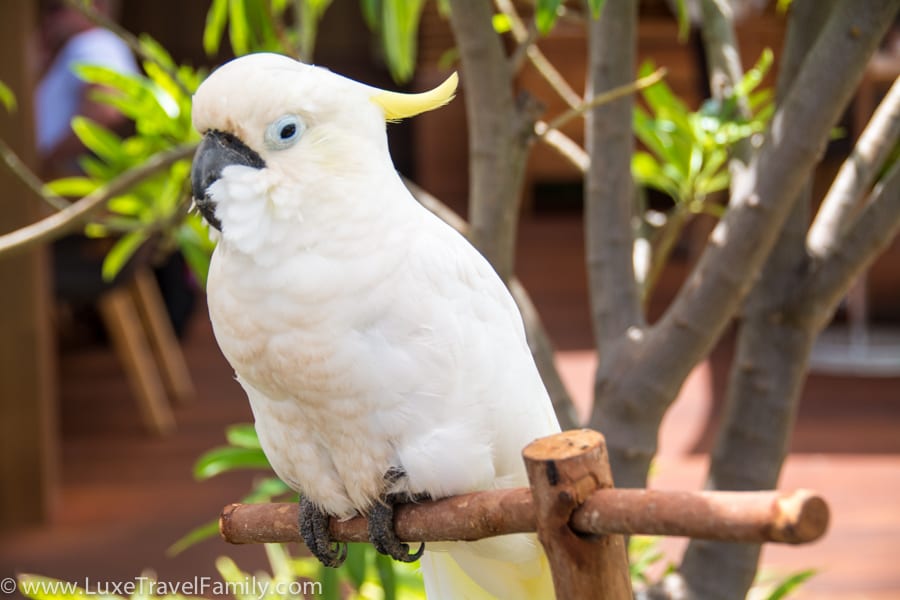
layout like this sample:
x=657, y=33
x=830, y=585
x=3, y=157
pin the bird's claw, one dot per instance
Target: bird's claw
x=382, y=534
x=314, y=530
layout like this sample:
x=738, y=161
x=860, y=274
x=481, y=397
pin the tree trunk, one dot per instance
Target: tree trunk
x=644, y=375
x=499, y=134
x=769, y=368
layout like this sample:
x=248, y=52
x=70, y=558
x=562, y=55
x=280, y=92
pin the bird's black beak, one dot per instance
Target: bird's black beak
x=217, y=151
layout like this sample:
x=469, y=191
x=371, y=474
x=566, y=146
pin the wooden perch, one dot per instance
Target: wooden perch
x=794, y=518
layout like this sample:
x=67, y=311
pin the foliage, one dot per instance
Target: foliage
x=767, y=587
x=159, y=104
x=367, y=573
x=7, y=98
x=688, y=151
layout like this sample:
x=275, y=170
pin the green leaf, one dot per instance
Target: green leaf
x=355, y=565
x=238, y=30
x=545, y=15
x=194, y=536
x=596, y=7
x=501, y=23
x=228, y=458
x=386, y=576
x=400, y=21
x=120, y=253
x=312, y=12
x=783, y=6
x=72, y=187
x=7, y=98
x=127, y=204
x=752, y=78
x=216, y=18
x=371, y=10
x=684, y=20
x=790, y=584
x=98, y=139
x=195, y=246
x=266, y=489
x=242, y=435
x=331, y=583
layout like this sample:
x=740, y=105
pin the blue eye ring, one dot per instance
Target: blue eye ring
x=284, y=132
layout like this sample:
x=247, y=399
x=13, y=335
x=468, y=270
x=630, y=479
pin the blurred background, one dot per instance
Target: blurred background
x=112, y=390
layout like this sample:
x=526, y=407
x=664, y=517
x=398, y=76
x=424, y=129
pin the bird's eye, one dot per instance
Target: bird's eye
x=284, y=132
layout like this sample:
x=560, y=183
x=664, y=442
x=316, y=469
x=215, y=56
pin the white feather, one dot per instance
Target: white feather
x=367, y=333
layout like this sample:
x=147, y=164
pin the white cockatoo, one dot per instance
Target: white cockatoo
x=383, y=358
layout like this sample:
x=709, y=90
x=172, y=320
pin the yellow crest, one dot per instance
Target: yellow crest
x=398, y=106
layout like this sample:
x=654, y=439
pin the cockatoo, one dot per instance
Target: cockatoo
x=383, y=358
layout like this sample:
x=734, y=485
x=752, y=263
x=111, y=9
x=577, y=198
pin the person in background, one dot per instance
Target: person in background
x=67, y=38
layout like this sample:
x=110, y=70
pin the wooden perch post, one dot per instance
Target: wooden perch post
x=580, y=518
x=564, y=470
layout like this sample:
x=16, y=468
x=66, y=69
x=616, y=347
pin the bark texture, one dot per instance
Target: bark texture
x=767, y=375
x=644, y=380
x=499, y=133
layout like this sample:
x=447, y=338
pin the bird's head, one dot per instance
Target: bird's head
x=275, y=129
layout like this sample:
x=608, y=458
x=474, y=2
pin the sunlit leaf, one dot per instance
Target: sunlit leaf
x=501, y=23
x=684, y=20
x=72, y=187
x=783, y=6
x=790, y=584
x=238, y=30
x=229, y=458
x=119, y=255
x=545, y=14
x=753, y=77
x=7, y=98
x=242, y=435
x=194, y=536
x=371, y=11
x=596, y=7
x=400, y=21
x=216, y=18
x=387, y=576
x=98, y=139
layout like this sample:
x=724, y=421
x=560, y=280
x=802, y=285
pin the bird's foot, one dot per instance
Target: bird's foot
x=314, y=530
x=381, y=523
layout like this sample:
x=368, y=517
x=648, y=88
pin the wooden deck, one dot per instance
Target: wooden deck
x=127, y=496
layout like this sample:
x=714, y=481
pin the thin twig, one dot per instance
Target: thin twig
x=565, y=146
x=537, y=58
x=856, y=174
x=541, y=128
x=796, y=518
x=28, y=177
x=74, y=214
x=129, y=38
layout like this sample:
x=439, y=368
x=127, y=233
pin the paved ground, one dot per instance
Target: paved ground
x=126, y=496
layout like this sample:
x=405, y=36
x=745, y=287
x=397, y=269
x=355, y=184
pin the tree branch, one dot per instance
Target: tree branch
x=566, y=147
x=796, y=518
x=77, y=212
x=856, y=174
x=609, y=186
x=550, y=74
x=17, y=166
x=869, y=234
x=760, y=203
x=723, y=58
x=541, y=129
x=129, y=38
x=498, y=131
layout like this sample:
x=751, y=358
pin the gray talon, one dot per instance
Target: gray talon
x=314, y=530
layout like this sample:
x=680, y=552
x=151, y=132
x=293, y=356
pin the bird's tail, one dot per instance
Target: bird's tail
x=483, y=571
